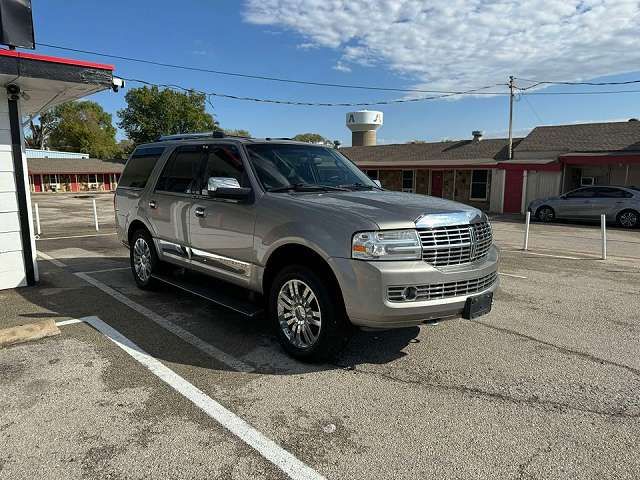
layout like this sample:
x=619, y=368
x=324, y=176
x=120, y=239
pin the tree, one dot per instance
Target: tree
x=152, y=112
x=38, y=133
x=78, y=127
x=237, y=132
x=311, y=138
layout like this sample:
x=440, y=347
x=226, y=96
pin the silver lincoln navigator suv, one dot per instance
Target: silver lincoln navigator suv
x=300, y=225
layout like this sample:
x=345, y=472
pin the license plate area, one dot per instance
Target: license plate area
x=477, y=306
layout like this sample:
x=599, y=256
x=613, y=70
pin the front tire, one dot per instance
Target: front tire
x=144, y=259
x=628, y=219
x=545, y=214
x=310, y=324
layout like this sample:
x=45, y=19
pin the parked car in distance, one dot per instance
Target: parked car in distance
x=620, y=204
x=302, y=227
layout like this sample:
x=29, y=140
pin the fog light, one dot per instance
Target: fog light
x=409, y=293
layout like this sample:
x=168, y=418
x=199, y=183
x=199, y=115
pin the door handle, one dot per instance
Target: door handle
x=199, y=212
x=152, y=204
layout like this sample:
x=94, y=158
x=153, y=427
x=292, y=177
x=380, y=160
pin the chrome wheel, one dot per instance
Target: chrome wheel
x=628, y=219
x=299, y=313
x=142, y=260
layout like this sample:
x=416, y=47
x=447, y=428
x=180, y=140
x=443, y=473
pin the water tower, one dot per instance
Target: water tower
x=363, y=125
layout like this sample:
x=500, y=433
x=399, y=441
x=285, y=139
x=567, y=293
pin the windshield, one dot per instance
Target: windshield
x=281, y=166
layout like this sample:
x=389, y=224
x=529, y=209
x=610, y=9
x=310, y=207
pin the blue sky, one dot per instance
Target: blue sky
x=448, y=45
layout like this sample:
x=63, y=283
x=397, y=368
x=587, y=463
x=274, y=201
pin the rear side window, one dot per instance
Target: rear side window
x=140, y=166
x=180, y=174
x=607, y=192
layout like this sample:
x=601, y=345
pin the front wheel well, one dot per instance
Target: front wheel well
x=134, y=227
x=294, y=254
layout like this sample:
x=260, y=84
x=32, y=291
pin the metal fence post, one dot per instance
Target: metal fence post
x=526, y=231
x=603, y=228
x=95, y=214
x=37, y=219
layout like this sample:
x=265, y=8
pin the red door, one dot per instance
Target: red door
x=106, y=182
x=436, y=183
x=513, y=191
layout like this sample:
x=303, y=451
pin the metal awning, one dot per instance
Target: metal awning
x=48, y=81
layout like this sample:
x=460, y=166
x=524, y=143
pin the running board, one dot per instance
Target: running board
x=222, y=294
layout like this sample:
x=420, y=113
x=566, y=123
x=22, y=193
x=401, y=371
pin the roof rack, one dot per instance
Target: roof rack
x=193, y=136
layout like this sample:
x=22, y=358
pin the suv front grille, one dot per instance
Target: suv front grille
x=435, y=291
x=455, y=245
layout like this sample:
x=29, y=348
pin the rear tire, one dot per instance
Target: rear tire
x=310, y=324
x=144, y=259
x=545, y=214
x=628, y=219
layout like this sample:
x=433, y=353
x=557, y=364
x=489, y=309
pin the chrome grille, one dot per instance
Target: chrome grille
x=435, y=291
x=455, y=245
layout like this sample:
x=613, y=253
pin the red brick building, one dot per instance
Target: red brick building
x=549, y=161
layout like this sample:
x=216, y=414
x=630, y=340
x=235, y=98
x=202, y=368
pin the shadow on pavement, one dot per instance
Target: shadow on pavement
x=252, y=341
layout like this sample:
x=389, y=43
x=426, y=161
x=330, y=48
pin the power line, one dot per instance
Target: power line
x=537, y=83
x=244, y=75
x=315, y=104
x=603, y=92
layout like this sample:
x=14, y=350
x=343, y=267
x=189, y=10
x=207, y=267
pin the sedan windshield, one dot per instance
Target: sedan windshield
x=286, y=167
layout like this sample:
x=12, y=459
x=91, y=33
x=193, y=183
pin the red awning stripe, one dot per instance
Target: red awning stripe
x=49, y=59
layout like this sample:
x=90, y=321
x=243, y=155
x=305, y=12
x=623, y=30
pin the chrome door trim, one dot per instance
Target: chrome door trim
x=219, y=263
x=171, y=249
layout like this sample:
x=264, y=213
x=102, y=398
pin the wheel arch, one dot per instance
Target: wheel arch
x=297, y=254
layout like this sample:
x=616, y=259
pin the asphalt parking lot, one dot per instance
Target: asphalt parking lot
x=165, y=385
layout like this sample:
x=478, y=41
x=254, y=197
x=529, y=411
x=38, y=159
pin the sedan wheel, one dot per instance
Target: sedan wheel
x=629, y=219
x=299, y=314
x=545, y=214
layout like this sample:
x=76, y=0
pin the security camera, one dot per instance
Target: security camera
x=117, y=83
x=14, y=91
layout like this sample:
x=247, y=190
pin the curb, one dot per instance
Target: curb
x=28, y=332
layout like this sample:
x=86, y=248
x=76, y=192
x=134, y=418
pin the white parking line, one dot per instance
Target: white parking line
x=62, y=323
x=271, y=451
x=49, y=258
x=511, y=275
x=76, y=236
x=178, y=331
x=107, y=270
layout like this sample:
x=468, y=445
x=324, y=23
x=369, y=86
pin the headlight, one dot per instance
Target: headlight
x=387, y=245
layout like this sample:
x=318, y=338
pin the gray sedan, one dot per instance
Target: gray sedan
x=619, y=204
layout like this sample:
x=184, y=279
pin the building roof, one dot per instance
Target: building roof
x=587, y=137
x=73, y=165
x=37, y=153
x=486, y=151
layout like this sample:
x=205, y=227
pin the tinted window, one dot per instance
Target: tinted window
x=607, y=192
x=582, y=193
x=140, y=166
x=280, y=165
x=181, y=171
x=225, y=161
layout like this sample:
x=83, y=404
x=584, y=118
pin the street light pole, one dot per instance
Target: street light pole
x=511, y=87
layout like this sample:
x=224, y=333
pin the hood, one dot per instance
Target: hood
x=392, y=209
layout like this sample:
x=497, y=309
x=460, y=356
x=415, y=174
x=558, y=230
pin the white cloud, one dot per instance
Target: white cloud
x=342, y=67
x=456, y=44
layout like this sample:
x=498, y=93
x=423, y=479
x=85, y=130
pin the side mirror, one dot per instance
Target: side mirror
x=378, y=183
x=228, y=188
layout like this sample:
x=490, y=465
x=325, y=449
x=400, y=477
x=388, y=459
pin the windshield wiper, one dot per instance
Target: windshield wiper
x=360, y=186
x=306, y=187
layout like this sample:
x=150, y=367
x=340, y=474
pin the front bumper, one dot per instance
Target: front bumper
x=365, y=284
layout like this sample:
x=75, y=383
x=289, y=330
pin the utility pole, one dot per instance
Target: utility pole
x=511, y=87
